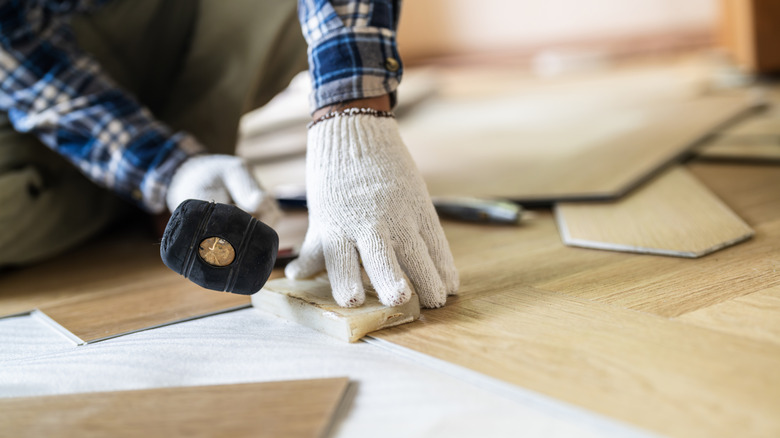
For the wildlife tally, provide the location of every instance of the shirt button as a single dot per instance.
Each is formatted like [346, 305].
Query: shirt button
[392, 64]
[136, 194]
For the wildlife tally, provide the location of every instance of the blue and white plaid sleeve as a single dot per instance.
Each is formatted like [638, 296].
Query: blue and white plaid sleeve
[52, 89]
[352, 48]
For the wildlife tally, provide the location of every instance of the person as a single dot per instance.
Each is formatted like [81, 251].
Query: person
[142, 99]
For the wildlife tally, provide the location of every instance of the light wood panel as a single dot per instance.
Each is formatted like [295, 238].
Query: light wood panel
[599, 155]
[747, 189]
[671, 287]
[151, 302]
[762, 149]
[493, 258]
[581, 325]
[674, 215]
[752, 316]
[119, 285]
[661, 375]
[765, 123]
[116, 260]
[301, 408]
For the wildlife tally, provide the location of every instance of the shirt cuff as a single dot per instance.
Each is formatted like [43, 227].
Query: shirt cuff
[354, 63]
[149, 190]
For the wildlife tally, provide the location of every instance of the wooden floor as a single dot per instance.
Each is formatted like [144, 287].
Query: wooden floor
[680, 347]
[673, 214]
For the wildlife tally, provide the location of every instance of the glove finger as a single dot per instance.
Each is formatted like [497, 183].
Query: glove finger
[417, 262]
[343, 266]
[384, 271]
[311, 259]
[244, 189]
[441, 255]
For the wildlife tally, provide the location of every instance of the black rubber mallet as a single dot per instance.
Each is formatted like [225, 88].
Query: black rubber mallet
[219, 247]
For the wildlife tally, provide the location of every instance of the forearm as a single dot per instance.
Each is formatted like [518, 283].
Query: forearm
[52, 89]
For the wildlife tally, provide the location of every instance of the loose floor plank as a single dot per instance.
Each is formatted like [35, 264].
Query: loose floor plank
[759, 149]
[747, 189]
[120, 259]
[674, 215]
[613, 151]
[119, 285]
[152, 302]
[671, 287]
[656, 373]
[764, 123]
[290, 409]
[751, 316]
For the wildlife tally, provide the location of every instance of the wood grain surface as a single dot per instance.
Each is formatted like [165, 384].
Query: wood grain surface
[658, 374]
[150, 302]
[302, 408]
[674, 215]
[118, 259]
[761, 149]
[119, 285]
[614, 150]
[609, 331]
[751, 316]
[671, 287]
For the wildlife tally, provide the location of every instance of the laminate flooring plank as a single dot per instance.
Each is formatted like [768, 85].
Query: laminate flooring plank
[301, 408]
[492, 258]
[115, 260]
[758, 149]
[673, 215]
[748, 189]
[752, 316]
[159, 301]
[119, 285]
[763, 123]
[662, 375]
[671, 287]
[601, 154]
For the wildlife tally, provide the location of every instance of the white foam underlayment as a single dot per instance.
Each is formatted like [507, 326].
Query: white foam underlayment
[397, 392]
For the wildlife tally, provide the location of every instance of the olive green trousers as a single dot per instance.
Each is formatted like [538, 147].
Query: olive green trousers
[197, 65]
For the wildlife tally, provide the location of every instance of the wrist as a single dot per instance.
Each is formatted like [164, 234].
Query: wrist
[379, 103]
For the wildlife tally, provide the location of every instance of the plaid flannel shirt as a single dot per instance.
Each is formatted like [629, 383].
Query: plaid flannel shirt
[352, 48]
[54, 90]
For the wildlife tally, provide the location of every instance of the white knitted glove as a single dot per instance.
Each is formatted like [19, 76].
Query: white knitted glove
[367, 201]
[221, 178]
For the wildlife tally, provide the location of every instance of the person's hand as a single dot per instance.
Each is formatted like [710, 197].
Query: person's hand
[221, 178]
[367, 201]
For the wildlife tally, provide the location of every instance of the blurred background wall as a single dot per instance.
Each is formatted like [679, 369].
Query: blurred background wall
[447, 29]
